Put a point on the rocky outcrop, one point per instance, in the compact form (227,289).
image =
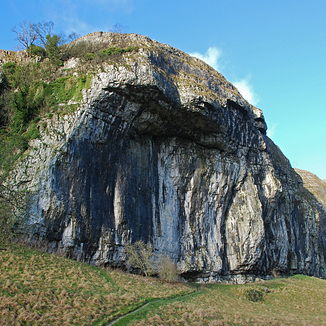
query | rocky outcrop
(162,148)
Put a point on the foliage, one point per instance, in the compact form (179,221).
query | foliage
(140,256)
(30,96)
(98,52)
(29,91)
(4,100)
(36,50)
(167,269)
(39,40)
(77,50)
(52,49)
(9,67)
(90,56)
(25,106)
(114,50)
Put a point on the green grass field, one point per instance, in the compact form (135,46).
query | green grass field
(38,288)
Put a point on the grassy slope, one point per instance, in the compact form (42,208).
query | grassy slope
(37,288)
(297,300)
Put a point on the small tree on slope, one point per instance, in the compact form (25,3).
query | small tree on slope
(140,255)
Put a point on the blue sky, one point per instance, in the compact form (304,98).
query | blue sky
(273,51)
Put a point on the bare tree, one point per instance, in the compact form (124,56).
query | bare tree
(27,33)
(73,36)
(118,28)
(141,256)
(43,30)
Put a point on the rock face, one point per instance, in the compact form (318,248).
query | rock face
(162,148)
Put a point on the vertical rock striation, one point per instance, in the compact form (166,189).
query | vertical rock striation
(164,149)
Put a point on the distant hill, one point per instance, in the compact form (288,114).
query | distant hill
(315,185)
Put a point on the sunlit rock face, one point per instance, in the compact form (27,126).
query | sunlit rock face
(162,148)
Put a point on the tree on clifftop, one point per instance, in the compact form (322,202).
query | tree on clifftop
(27,33)
(38,38)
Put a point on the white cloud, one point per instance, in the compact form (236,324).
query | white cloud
(211,57)
(271,131)
(247,91)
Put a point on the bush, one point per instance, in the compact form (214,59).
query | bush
(4,84)
(77,50)
(114,50)
(111,50)
(254,295)
(89,56)
(140,256)
(167,269)
(37,50)
(9,67)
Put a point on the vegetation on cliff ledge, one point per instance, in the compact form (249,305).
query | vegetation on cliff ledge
(41,84)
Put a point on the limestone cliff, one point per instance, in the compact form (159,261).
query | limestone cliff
(162,148)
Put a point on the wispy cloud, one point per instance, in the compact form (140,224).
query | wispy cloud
(271,130)
(107,4)
(69,15)
(211,57)
(125,5)
(246,90)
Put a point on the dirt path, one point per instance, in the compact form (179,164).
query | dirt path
(129,313)
(152,301)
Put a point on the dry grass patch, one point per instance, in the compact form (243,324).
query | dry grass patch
(37,288)
(149,288)
(298,300)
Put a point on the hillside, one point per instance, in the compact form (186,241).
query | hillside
(37,288)
(122,138)
(315,185)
